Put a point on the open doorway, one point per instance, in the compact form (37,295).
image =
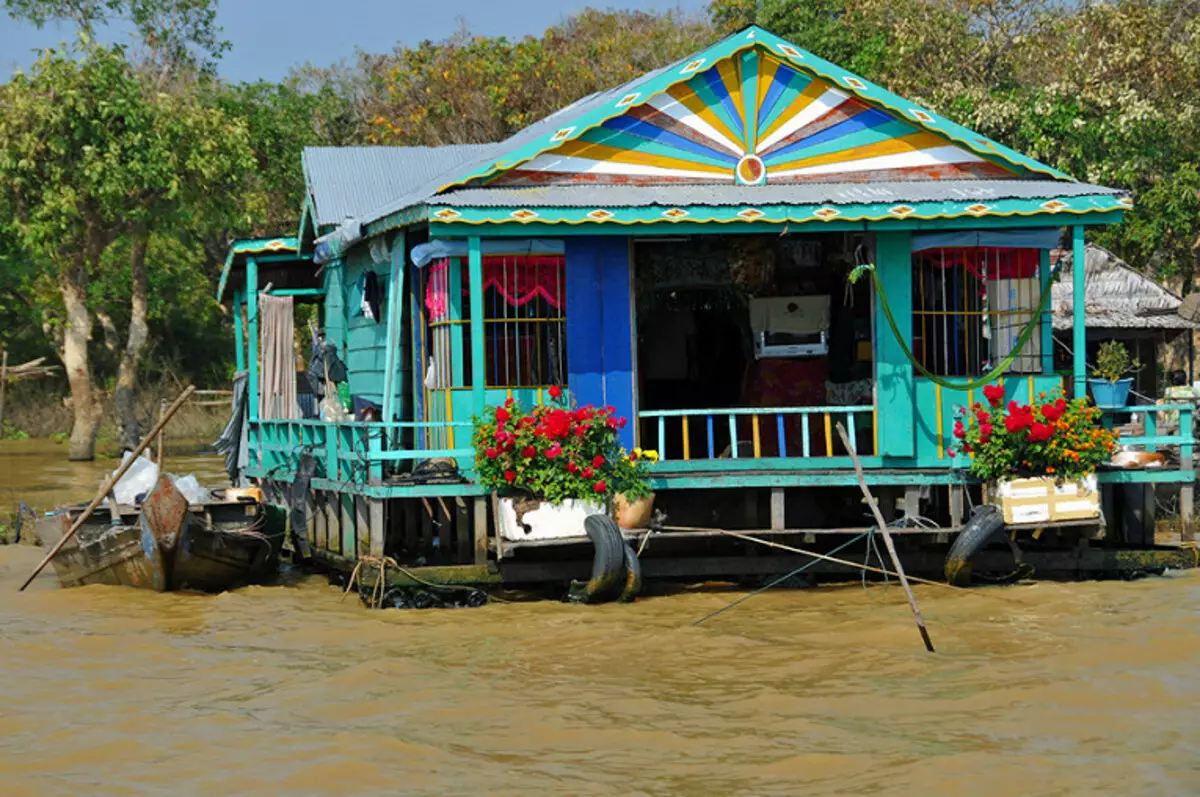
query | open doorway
(753,322)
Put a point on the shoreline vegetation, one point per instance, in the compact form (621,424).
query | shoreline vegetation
(33,412)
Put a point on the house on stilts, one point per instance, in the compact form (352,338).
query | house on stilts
(677,248)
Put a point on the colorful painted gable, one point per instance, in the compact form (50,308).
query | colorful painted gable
(751,119)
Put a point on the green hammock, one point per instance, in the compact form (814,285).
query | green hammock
(987,378)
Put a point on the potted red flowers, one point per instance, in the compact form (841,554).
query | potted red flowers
(1038,459)
(551,466)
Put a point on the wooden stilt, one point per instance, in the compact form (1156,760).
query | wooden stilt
(376,523)
(481,530)
(362,525)
(887,539)
(956,510)
(777,509)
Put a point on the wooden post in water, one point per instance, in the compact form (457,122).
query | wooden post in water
(887,538)
(108,485)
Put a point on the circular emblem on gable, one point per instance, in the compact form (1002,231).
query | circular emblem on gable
(751,170)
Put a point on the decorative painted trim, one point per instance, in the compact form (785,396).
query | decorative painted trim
(253,246)
(780,214)
(800,60)
(256,245)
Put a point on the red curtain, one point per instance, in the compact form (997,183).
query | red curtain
(997,262)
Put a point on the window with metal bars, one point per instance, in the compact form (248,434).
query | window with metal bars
(524,316)
(970,306)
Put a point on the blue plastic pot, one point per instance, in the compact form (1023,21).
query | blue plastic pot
(1111,394)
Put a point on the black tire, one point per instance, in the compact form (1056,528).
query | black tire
(985,525)
(424,599)
(633,576)
(608,562)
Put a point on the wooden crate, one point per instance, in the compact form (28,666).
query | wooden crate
(1045,500)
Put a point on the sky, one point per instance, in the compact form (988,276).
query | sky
(271,36)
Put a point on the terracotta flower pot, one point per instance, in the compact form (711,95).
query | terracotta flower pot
(635,515)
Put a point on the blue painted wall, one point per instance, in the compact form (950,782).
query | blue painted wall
(600,346)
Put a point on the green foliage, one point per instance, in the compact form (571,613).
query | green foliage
(10,432)
(178,32)
(471,89)
(1114,363)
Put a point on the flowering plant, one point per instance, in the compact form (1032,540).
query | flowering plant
(554,451)
(631,473)
(1052,437)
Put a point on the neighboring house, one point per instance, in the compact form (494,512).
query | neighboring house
(1123,304)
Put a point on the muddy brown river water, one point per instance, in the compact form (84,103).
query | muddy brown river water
(1048,689)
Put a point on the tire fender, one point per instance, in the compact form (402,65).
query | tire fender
(985,525)
(633,576)
(608,562)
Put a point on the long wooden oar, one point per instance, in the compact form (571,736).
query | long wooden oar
(111,482)
(887,538)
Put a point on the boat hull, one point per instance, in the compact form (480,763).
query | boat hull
(207,548)
(211,559)
(122,555)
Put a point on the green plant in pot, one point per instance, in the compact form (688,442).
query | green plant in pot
(1112,378)
(633,502)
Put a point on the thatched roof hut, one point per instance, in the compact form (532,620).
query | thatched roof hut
(1117,296)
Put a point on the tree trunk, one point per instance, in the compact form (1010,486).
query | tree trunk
(76,334)
(125,400)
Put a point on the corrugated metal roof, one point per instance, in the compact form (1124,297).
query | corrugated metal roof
(353,181)
(610,196)
(1116,296)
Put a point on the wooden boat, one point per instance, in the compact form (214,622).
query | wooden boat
(166,544)
(223,545)
(106,550)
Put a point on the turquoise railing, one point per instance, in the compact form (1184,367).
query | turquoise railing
(1154,417)
(352,452)
(757,433)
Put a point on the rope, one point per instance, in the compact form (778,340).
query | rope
(1026,335)
(380,586)
(779,580)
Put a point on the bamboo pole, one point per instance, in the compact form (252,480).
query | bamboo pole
(162,410)
(887,538)
(108,485)
(863,566)
(3,386)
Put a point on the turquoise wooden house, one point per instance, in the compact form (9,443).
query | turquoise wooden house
(678,248)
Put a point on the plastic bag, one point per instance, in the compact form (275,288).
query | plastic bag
(138,480)
(191,489)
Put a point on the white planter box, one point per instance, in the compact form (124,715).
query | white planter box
(546,522)
(1044,500)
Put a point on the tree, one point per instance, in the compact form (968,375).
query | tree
(176,33)
(88,155)
(475,89)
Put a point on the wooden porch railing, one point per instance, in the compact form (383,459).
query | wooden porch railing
(755,433)
(352,452)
